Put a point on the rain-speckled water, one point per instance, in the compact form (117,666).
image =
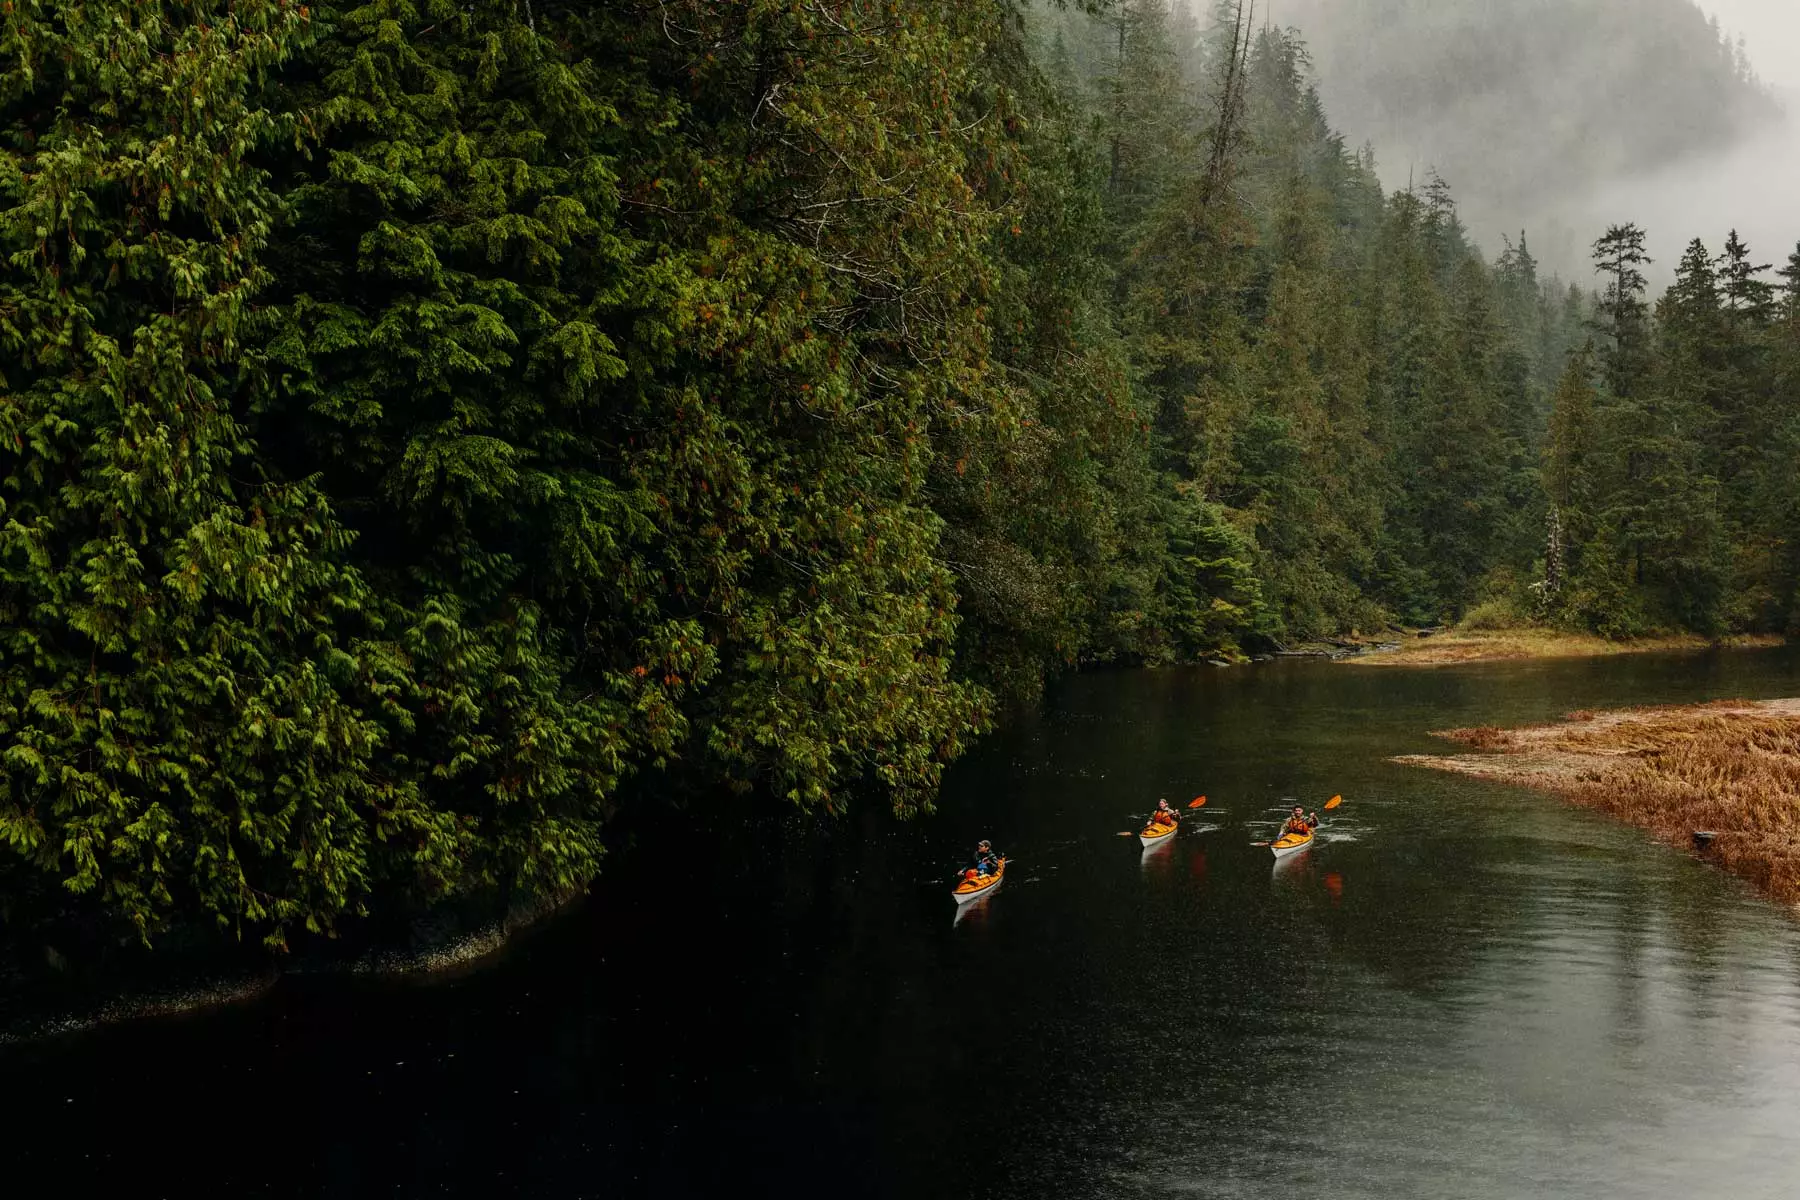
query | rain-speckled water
(1462,991)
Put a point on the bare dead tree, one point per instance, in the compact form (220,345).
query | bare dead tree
(1228,125)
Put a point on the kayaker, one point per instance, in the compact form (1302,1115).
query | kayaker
(986,861)
(1300,823)
(1164,815)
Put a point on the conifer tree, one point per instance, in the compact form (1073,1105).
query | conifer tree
(1779,502)
(199,692)
(1664,507)
(1623,313)
(1742,419)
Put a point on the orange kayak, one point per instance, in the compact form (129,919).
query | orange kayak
(1157,835)
(1292,843)
(981,885)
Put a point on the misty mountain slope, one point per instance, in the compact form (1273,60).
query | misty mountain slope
(1516,101)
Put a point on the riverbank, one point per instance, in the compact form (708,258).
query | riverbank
(61,998)
(1729,769)
(1459,647)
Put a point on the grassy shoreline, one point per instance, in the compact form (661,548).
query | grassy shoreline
(1730,769)
(1467,646)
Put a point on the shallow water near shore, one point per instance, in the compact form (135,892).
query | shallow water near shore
(1463,990)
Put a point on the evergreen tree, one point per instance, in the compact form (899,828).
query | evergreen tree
(1743,426)
(1664,507)
(1622,313)
(1779,501)
(1572,473)
(1048,492)
(199,691)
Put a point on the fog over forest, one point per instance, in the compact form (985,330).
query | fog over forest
(1563,116)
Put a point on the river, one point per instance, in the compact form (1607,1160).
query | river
(1463,991)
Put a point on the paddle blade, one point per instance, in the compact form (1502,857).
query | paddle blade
(1333,803)
(1199,802)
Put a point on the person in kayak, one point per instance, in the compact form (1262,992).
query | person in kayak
(1164,816)
(1300,823)
(986,861)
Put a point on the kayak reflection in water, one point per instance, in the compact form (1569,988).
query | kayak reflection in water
(1300,822)
(1164,815)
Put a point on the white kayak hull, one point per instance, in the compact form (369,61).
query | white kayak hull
(1150,842)
(967,897)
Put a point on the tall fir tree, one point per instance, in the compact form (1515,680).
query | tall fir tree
(199,691)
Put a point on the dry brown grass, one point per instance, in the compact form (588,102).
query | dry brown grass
(1468,646)
(1731,767)
(1487,737)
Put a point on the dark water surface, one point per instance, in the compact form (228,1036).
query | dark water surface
(1463,991)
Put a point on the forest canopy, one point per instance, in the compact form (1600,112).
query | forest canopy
(427,427)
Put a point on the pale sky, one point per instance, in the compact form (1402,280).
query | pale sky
(1750,183)
(1752,186)
(1772,28)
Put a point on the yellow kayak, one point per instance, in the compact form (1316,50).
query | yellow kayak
(1292,843)
(981,885)
(1156,835)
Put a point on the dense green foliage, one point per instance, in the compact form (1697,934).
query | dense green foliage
(1673,449)
(428,426)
